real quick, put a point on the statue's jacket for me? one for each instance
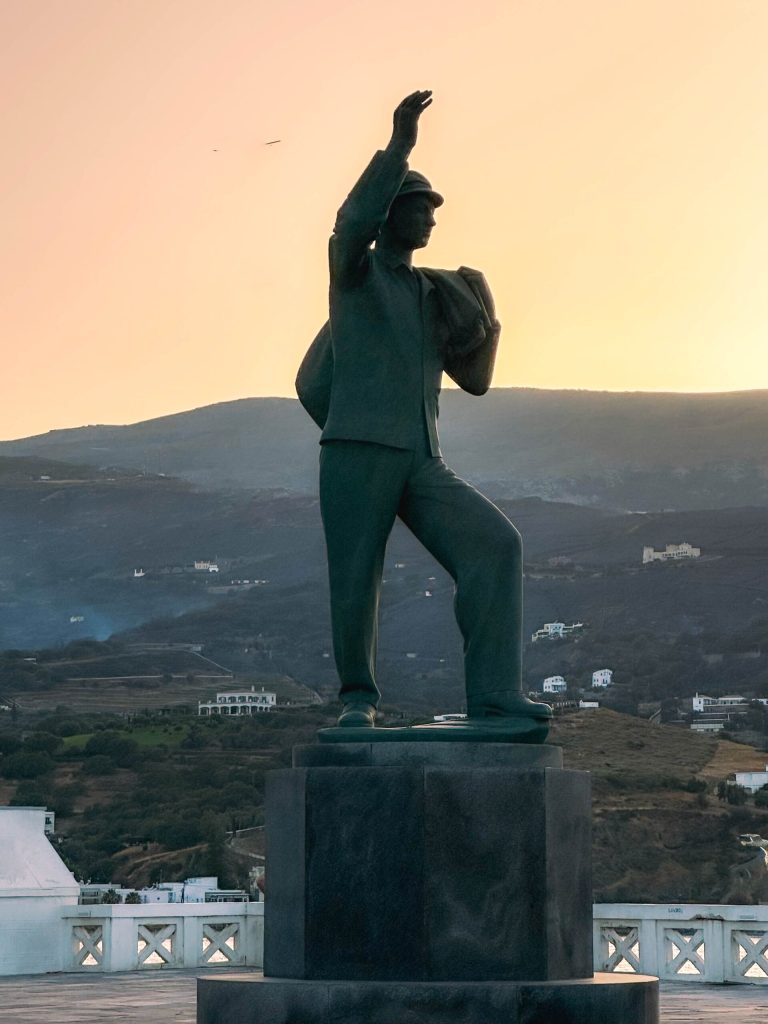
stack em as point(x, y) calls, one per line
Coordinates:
point(373, 372)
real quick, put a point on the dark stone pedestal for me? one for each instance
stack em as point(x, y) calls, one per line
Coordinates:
point(603, 999)
point(413, 867)
point(428, 882)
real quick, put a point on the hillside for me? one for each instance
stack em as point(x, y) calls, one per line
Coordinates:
point(73, 548)
point(660, 833)
point(627, 450)
point(653, 841)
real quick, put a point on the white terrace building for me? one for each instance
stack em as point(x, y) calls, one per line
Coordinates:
point(238, 702)
point(555, 631)
point(554, 684)
point(671, 552)
point(712, 714)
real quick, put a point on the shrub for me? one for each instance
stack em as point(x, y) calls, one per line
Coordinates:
point(25, 765)
point(29, 794)
point(9, 744)
point(120, 749)
point(99, 764)
point(736, 795)
point(44, 741)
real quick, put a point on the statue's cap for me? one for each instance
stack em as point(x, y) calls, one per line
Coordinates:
point(414, 182)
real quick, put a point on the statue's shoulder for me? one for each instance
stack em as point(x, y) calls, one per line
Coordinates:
point(463, 287)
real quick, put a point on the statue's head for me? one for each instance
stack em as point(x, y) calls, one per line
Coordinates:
point(412, 214)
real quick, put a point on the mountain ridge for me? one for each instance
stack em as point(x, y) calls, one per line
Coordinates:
point(623, 450)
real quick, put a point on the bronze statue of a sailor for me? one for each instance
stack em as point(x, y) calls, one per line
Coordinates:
point(371, 380)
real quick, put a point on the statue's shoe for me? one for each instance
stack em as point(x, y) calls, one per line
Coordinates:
point(506, 704)
point(357, 715)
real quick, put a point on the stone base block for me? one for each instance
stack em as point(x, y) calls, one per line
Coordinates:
point(407, 865)
point(253, 999)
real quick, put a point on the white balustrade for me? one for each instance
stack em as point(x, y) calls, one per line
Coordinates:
point(675, 942)
point(683, 942)
point(135, 937)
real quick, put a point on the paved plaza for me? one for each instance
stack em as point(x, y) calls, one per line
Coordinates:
point(168, 997)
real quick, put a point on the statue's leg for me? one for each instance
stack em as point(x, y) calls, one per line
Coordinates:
point(360, 487)
point(481, 549)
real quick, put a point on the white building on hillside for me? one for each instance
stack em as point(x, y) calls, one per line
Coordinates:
point(554, 684)
point(203, 889)
point(700, 702)
point(555, 631)
point(602, 677)
point(238, 702)
point(671, 552)
point(712, 714)
point(752, 780)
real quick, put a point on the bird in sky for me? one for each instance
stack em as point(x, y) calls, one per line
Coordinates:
point(273, 142)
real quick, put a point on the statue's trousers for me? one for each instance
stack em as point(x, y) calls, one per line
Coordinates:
point(363, 486)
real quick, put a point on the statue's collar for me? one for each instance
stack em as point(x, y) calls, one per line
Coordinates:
point(390, 258)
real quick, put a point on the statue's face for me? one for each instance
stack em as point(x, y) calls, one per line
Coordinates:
point(411, 220)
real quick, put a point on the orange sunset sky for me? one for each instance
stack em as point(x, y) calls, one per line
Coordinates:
point(603, 161)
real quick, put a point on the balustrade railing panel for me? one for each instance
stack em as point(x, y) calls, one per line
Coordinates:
point(141, 937)
point(683, 942)
point(88, 946)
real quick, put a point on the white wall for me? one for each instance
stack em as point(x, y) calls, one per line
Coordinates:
point(31, 934)
point(35, 888)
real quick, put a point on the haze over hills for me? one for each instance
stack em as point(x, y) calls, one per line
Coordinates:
point(74, 543)
point(617, 450)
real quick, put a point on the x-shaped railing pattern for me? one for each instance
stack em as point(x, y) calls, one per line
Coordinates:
point(749, 953)
point(159, 942)
point(88, 941)
point(620, 949)
point(688, 947)
point(220, 942)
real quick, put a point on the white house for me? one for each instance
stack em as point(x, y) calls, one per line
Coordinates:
point(602, 677)
point(699, 702)
point(238, 702)
point(672, 552)
point(752, 780)
point(554, 684)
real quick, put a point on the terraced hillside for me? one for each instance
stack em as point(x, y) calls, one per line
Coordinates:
point(152, 798)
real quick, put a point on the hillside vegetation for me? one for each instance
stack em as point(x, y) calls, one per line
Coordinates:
point(152, 797)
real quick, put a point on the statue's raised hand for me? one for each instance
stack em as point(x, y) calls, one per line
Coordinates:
point(406, 117)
